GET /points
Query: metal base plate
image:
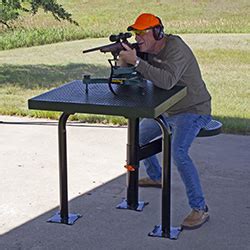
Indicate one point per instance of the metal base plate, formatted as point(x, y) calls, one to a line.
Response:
point(174, 232)
point(69, 221)
point(124, 205)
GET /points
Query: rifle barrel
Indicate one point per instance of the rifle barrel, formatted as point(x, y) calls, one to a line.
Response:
point(111, 47)
point(91, 50)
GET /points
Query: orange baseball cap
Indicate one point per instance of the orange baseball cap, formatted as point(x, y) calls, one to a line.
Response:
point(145, 21)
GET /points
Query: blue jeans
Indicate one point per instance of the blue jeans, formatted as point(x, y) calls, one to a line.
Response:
point(185, 128)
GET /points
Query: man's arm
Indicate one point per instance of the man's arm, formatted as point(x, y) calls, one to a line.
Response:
point(165, 72)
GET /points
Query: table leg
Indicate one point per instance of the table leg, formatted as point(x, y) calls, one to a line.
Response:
point(165, 230)
point(63, 216)
point(132, 175)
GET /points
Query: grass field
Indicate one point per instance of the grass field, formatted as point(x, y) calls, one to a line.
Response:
point(100, 18)
point(224, 61)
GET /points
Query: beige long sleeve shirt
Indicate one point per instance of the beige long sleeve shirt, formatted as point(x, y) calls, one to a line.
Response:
point(174, 65)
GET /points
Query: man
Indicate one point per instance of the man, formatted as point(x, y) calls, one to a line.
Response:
point(170, 62)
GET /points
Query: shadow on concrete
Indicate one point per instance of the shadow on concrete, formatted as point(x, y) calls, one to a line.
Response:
point(230, 124)
point(225, 176)
point(55, 123)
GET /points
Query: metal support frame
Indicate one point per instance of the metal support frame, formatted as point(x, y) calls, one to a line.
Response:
point(132, 176)
point(165, 230)
point(63, 216)
point(134, 155)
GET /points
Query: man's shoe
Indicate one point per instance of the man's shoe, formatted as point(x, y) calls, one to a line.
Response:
point(147, 182)
point(195, 219)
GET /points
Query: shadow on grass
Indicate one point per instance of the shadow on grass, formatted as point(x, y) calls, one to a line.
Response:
point(234, 125)
point(231, 125)
point(47, 76)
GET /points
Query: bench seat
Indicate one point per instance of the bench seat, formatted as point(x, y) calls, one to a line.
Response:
point(212, 128)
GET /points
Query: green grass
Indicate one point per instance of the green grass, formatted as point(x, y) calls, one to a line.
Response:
point(224, 61)
point(99, 18)
point(227, 73)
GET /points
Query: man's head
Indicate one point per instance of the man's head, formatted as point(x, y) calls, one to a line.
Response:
point(148, 30)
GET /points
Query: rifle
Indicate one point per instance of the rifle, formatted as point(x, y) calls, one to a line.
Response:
point(116, 47)
point(118, 74)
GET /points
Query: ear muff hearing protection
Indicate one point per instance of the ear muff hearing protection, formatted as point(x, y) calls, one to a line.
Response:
point(158, 31)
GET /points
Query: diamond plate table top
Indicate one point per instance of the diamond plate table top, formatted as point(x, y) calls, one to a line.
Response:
point(131, 101)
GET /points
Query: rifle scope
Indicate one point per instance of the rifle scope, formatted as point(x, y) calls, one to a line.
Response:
point(119, 37)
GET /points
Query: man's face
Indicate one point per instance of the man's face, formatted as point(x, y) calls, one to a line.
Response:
point(146, 40)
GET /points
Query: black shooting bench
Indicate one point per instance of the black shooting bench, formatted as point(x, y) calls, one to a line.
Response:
point(133, 103)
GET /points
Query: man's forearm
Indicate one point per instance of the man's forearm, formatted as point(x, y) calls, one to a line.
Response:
point(161, 78)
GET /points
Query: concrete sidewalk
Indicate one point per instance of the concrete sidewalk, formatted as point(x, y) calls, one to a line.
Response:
point(29, 191)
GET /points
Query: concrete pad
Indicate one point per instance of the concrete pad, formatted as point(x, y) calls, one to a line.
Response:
point(97, 182)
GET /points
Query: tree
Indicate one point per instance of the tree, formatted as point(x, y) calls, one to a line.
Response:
point(11, 9)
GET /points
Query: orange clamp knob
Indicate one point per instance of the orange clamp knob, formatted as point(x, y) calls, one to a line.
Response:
point(129, 167)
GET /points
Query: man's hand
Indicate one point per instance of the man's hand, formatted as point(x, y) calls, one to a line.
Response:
point(128, 55)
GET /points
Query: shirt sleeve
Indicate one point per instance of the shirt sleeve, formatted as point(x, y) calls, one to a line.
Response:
point(166, 71)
